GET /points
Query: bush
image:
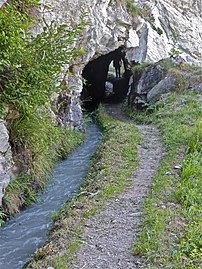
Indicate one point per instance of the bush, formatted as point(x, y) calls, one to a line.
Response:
point(30, 66)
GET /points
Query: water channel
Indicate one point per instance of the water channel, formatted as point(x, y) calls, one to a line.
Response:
point(22, 235)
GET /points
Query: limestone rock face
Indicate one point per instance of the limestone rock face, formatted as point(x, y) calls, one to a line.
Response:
point(5, 159)
point(170, 24)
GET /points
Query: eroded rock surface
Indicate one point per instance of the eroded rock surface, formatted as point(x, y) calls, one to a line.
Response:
point(164, 86)
point(170, 24)
point(148, 85)
point(5, 159)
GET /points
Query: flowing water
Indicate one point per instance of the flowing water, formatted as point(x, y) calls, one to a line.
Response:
point(22, 235)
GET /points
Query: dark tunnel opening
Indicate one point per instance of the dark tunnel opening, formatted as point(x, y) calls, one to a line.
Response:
point(102, 84)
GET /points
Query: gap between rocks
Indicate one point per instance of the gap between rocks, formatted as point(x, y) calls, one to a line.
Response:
point(109, 235)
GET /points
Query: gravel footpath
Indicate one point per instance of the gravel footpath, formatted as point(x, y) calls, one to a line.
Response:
point(109, 235)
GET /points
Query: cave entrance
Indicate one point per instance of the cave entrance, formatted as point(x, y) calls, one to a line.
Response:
point(105, 79)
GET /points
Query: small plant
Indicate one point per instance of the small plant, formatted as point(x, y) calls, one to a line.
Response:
point(2, 217)
point(159, 31)
point(137, 67)
point(132, 9)
point(31, 65)
point(174, 52)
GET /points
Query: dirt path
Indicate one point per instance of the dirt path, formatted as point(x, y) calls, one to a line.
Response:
point(110, 234)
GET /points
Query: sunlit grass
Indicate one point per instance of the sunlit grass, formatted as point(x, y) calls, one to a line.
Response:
point(110, 171)
point(171, 230)
point(39, 143)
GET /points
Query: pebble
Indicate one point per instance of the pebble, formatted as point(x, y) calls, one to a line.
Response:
point(178, 166)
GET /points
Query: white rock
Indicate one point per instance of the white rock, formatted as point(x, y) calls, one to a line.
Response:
point(4, 144)
point(111, 26)
point(6, 161)
point(2, 2)
point(180, 23)
point(178, 167)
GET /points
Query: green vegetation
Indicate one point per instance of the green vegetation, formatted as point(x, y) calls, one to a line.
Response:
point(2, 216)
point(171, 231)
point(174, 52)
point(31, 65)
point(110, 170)
point(38, 144)
point(132, 9)
point(30, 73)
point(139, 67)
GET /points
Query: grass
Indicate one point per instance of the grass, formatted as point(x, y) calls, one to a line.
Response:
point(110, 170)
point(27, 85)
point(171, 230)
point(37, 144)
point(139, 67)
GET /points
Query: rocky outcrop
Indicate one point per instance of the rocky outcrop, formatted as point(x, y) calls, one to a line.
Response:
point(161, 26)
point(197, 88)
point(170, 24)
point(164, 86)
point(5, 159)
point(147, 85)
point(151, 76)
point(110, 26)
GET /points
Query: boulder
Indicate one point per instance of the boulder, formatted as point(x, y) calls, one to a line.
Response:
point(164, 86)
point(149, 78)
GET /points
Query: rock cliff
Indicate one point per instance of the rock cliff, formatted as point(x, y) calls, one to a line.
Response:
point(168, 24)
point(149, 35)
